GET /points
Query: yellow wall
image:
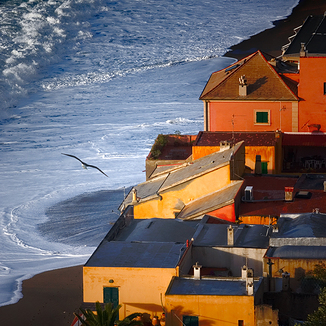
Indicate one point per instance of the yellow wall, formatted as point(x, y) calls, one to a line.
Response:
point(297, 268)
point(140, 289)
point(211, 310)
point(201, 151)
point(267, 154)
point(183, 193)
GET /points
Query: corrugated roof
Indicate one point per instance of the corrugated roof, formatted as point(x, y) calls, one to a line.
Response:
point(206, 204)
point(264, 83)
point(213, 138)
point(297, 252)
point(190, 286)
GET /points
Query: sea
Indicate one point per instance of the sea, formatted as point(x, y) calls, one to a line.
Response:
point(97, 79)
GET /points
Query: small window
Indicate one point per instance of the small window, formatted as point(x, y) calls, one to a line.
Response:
point(324, 88)
point(262, 117)
point(240, 323)
point(190, 320)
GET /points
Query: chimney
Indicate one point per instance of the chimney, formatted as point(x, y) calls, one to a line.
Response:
point(285, 281)
point(230, 236)
point(244, 272)
point(258, 165)
point(289, 193)
point(243, 86)
point(134, 195)
point(197, 271)
point(250, 281)
point(303, 50)
point(224, 145)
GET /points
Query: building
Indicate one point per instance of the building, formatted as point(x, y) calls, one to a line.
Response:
point(157, 266)
point(178, 190)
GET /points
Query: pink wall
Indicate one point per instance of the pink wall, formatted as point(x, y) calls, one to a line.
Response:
point(221, 115)
point(312, 105)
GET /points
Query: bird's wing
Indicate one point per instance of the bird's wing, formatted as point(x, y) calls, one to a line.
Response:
point(88, 165)
point(95, 167)
point(74, 157)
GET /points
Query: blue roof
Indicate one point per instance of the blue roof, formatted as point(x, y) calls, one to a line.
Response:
point(137, 254)
point(191, 286)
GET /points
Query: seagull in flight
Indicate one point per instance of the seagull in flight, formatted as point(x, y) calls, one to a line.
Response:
point(85, 165)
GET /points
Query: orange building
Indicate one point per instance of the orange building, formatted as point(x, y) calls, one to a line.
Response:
point(250, 96)
point(177, 190)
point(261, 93)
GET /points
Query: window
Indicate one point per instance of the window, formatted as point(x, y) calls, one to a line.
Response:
point(190, 320)
point(262, 117)
point(240, 323)
point(324, 88)
point(111, 294)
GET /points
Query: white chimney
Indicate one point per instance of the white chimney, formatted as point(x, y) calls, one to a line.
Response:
point(244, 272)
point(250, 281)
point(197, 271)
point(230, 236)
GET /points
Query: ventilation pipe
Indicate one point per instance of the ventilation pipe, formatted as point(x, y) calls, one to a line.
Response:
point(258, 165)
point(134, 195)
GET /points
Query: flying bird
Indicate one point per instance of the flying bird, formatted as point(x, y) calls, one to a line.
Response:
point(85, 165)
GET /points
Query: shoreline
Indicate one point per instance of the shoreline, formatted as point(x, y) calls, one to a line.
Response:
point(51, 298)
point(271, 40)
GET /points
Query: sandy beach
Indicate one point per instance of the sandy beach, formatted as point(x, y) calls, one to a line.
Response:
point(52, 297)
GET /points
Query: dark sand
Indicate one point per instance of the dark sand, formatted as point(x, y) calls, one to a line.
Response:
point(52, 297)
point(49, 299)
point(272, 40)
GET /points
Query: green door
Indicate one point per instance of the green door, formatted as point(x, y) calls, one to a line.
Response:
point(264, 169)
point(111, 294)
point(190, 320)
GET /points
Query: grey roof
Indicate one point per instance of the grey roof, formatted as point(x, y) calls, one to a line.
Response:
point(298, 252)
point(136, 254)
point(181, 174)
point(245, 235)
point(199, 167)
point(158, 230)
point(208, 203)
point(313, 34)
point(191, 286)
point(304, 229)
point(148, 243)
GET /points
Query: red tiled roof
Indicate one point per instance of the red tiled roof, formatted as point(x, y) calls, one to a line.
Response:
point(264, 83)
point(272, 187)
point(213, 138)
point(304, 139)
